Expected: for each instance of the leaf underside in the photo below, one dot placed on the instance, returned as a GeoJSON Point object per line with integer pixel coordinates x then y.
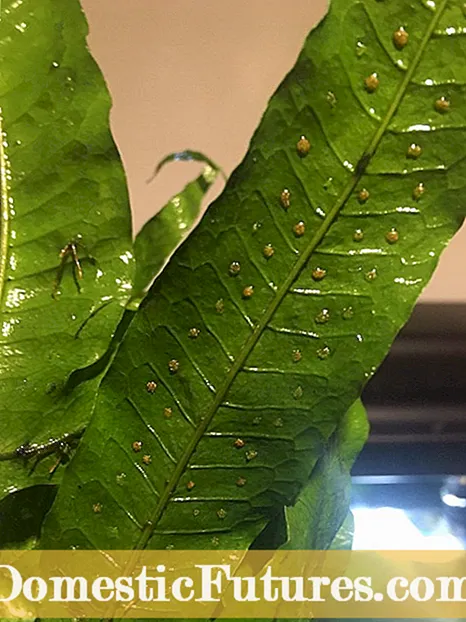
{"type": "Point", "coordinates": [62, 187]}
{"type": "Point", "coordinates": [256, 396]}
{"type": "Point", "coordinates": [314, 521]}
{"type": "Point", "coordinates": [320, 517]}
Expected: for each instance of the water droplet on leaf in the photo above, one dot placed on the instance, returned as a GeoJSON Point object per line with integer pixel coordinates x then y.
{"type": "Point", "coordinates": [429, 4]}
{"type": "Point", "coordinates": [331, 99]}
{"type": "Point", "coordinates": [361, 49]}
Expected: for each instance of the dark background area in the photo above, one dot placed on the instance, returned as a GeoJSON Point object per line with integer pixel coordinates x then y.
{"type": "Point", "coordinates": [415, 459]}
{"type": "Point", "coordinates": [416, 402]}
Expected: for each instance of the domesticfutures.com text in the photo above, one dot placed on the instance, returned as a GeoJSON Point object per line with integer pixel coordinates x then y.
{"type": "Point", "coordinates": [209, 583]}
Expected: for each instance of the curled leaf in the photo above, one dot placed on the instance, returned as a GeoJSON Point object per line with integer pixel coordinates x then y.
{"type": "Point", "coordinates": [160, 236]}
{"type": "Point", "coordinates": [188, 155]}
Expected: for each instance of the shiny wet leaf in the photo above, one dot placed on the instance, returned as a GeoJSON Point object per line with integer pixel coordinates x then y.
{"type": "Point", "coordinates": [65, 249]}
{"type": "Point", "coordinates": [249, 418]}
{"type": "Point", "coordinates": [165, 231]}
{"type": "Point", "coordinates": [316, 521]}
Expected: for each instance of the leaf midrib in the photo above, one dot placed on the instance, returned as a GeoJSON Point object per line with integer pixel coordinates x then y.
{"type": "Point", "coordinates": [4, 214]}
{"type": "Point", "coordinates": [283, 290]}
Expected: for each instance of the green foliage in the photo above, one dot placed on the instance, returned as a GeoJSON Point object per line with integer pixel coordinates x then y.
{"type": "Point", "coordinates": [62, 184]}
{"type": "Point", "coordinates": [161, 234]}
{"type": "Point", "coordinates": [236, 373]}
{"type": "Point", "coordinates": [22, 514]}
{"type": "Point", "coordinates": [213, 413]}
{"type": "Point", "coordinates": [322, 508]}
{"type": "Point", "coordinates": [64, 215]}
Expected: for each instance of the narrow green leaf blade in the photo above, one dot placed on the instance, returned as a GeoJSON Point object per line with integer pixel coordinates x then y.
{"type": "Point", "coordinates": [320, 517]}
{"type": "Point", "coordinates": [344, 539]}
{"type": "Point", "coordinates": [323, 505]}
{"type": "Point", "coordinates": [63, 193]}
{"type": "Point", "coordinates": [298, 278]}
{"type": "Point", "coordinates": [165, 231]}
{"type": "Point", "coordinates": [22, 512]}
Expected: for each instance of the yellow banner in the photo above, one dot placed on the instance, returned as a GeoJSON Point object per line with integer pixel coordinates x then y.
{"type": "Point", "coordinates": [232, 584]}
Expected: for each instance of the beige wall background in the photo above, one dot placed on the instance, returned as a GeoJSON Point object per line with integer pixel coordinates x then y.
{"type": "Point", "coordinates": [197, 74]}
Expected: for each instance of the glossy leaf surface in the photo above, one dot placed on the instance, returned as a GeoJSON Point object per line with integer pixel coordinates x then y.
{"type": "Point", "coordinates": [322, 508]}
{"type": "Point", "coordinates": [62, 187]}
{"type": "Point", "coordinates": [165, 231]}
{"type": "Point", "coordinates": [296, 282]}
{"type": "Point", "coordinates": [343, 541]}
{"type": "Point", "coordinates": [320, 517]}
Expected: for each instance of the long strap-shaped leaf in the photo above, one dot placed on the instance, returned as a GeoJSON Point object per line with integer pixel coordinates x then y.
{"type": "Point", "coordinates": [154, 244]}
{"type": "Point", "coordinates": [161, 235]}
{"type": "Point", "coordinates": [64, 215]}
{"type": "Point", "coordinates": [323, 505]}
{"type": "Point", "coordinates": [271, 317]}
